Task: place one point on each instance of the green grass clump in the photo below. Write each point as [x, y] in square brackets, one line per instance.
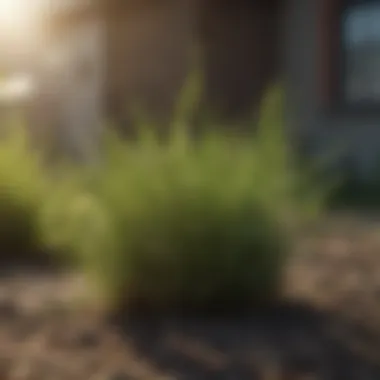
[22, 192]
[186, 224]
[183, 223]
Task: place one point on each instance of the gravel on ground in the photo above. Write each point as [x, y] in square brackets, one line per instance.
[327, 328]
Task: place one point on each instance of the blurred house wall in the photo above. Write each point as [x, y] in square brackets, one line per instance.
[149, 45]
[137, 53]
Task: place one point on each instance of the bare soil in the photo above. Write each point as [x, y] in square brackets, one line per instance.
[327, 328]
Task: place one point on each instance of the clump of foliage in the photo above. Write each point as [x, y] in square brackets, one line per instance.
[22, 193]
[183, 223]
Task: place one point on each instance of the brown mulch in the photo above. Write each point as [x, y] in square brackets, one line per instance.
[327, 328]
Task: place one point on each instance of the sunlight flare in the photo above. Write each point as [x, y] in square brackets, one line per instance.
[18, 18]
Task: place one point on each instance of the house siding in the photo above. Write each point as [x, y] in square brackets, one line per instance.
[147, 57]
[356, 135]
[149, 51]
[244, 47]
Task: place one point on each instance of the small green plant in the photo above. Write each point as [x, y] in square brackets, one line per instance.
[22, 193]
[182, 223]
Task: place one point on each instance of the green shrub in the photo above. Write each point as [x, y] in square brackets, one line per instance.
[22, 192]
[183, 223]
[65, 217]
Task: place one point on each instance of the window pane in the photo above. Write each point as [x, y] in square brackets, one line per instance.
[361, 47]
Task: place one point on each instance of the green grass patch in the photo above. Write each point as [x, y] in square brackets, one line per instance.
[23, 190]
[183, 223]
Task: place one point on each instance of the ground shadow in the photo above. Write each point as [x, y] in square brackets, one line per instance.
[32, 261]
[289, 342]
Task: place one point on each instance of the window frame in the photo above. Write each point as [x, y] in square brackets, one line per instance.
[333, 71]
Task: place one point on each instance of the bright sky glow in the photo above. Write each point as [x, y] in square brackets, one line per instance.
[18, 18]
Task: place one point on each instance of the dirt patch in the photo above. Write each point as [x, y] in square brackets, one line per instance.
[327, 328]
